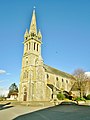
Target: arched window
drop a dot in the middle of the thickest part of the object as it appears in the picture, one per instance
(47, 76)
(57, 78)
(34, 45)
(37, 47)
(57, 82)
(29, 45)
(66, 81)
(26, 60)
(62, 80)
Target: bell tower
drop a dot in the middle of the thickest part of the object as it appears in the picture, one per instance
(32, 72)
(32, 41)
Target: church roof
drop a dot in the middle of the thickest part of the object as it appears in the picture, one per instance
(58, 72)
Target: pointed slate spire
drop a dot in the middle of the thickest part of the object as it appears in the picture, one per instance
(33, 27)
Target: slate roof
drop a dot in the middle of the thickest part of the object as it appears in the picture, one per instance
(57, 72)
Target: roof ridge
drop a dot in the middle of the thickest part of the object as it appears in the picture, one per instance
(56, 70)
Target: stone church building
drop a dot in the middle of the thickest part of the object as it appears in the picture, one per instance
(38, 81)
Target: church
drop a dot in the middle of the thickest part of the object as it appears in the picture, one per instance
(38, 81)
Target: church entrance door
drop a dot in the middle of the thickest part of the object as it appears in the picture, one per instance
(25, 95)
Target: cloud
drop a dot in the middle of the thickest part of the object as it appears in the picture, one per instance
(88, 74)
(2, 72)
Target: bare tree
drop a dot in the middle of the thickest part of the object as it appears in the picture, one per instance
(81, 81)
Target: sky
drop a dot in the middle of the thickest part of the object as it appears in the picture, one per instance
(65, 27)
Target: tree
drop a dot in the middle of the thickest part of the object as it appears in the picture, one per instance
(2, 97)
(81, 80)
(13, 89)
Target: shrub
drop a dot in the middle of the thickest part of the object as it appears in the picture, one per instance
(80, 99)
(61, 96)
(83, 99)
(88, 97)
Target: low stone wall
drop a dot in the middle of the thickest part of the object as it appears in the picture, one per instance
(87, 102)
(81, 102)
(38, 103)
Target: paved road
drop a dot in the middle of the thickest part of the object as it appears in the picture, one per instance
(60, 112)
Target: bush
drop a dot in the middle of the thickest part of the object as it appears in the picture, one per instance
(61, 96)
(88, 97)
(80, 99)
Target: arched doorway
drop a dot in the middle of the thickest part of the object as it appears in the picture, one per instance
(25, 94)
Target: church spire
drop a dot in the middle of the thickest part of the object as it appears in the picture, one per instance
(33, 27)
